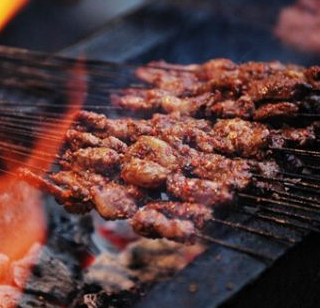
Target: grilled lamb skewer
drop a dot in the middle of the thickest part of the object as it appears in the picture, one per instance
(81, 192)
(207, 105)
(222, 88)
(176, 221)
(260, 81)
(234, 137)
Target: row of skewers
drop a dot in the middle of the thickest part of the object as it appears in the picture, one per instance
(164, 174)
(207, 137)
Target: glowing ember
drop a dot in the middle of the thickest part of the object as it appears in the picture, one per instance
(8, 9)
(22, 222)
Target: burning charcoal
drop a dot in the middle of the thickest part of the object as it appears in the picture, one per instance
(4, 266)
(153, 260)
(110, 274)
(123, 299)
(11, 297)
(49, 276)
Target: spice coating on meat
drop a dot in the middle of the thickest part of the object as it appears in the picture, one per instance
(123, 129)
(234, 172)
(278, 87)
(196, 212)
(144, 173)
(198, 190)
(293, 136)
(112, 201)
(100, 160)
(236, 136)
(243, 108)
(153, 224)
(275, 110)
(153, 149)
(173, 81)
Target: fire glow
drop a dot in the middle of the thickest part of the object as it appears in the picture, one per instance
(22, 220)
(8, 9)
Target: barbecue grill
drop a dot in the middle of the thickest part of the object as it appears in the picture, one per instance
(263, 254)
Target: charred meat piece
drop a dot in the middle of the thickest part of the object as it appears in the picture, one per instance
(243, 108)
(267, 168)
(148, 162)
(173, 80)
(293, 136)
(144, 173)
(196, 212)
(164, 101)
(279, 86)
(214, 167)
(268, 111)
(154, 149)
(79, 193)
(153, 224)
(215, 67)
(186, 106)
(236, 137)
(100, 160)
(114, 201)
(172, 220)
(202, 191)
(176, 129)
(78, 139)
(123, 129)
(312, 75)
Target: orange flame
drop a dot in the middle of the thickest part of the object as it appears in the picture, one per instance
(8, 9)
(22, 221)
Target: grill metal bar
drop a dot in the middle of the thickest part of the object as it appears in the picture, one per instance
(278, 202)
(253, 230)
(243, 250)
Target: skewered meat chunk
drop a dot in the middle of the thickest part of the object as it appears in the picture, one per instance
(198, 190)
(171, 80)
(113, 201)
(140, 99)
(278, 87)
(186, 106)
(114, 144)
(123, 129)
(101, 160)
(163, 101)
(154, 149)
(172, 220)
(267, 168)
(78, 139)
(153, 224)
(215, 67)
(295, 136)
(196, 212)
(243, 108)
(148, 162)
(144, 173)
(268, 111)
(312, 74)
(214, 167)
(176, 129)
(235, 137)
(79, 193)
